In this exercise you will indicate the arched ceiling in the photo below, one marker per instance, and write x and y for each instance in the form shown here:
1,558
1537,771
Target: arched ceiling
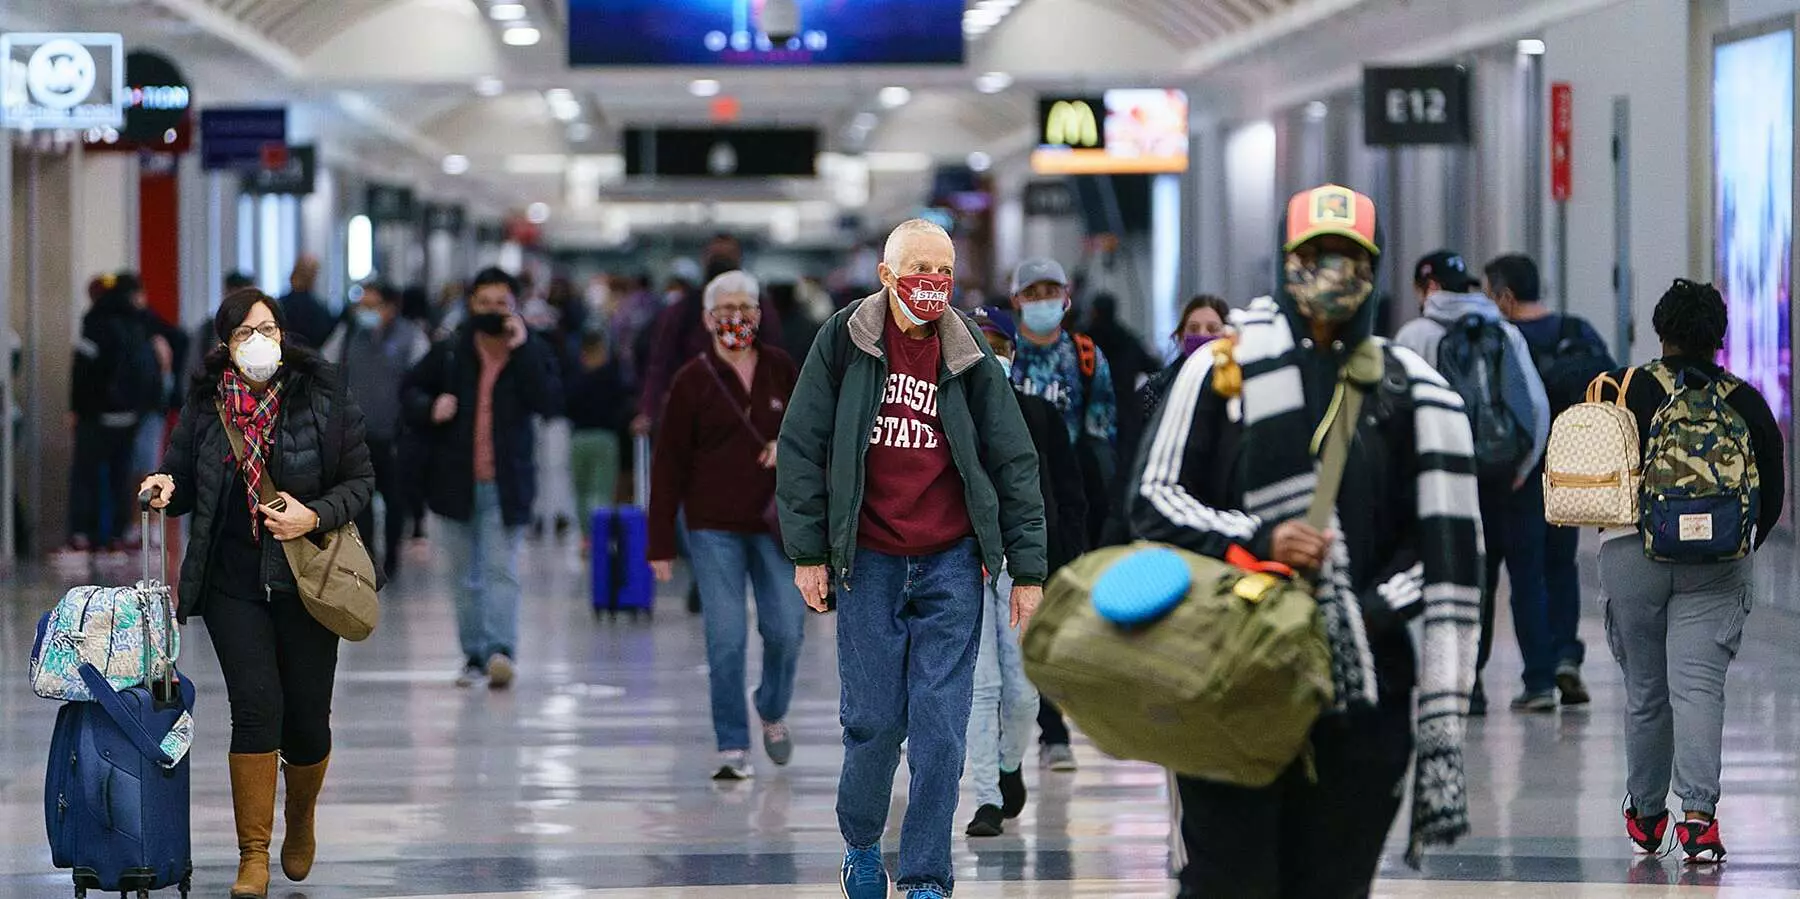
393,82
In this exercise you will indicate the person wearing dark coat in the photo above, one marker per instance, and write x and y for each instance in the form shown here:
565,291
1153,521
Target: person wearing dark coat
303,436
306,314
472,398
1005,703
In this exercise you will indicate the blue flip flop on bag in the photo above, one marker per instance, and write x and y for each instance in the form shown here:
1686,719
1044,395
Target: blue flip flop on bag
1142,587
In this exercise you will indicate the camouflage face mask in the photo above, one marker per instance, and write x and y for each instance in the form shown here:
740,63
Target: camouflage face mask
1332,287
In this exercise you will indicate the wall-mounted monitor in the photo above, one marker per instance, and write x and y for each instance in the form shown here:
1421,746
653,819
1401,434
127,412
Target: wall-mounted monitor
722,152
1120,132
759,33
1753,207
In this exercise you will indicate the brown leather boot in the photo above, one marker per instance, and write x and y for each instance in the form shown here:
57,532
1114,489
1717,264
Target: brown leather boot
253,779
303,785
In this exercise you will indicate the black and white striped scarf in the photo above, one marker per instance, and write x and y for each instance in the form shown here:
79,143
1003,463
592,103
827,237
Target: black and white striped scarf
1280,474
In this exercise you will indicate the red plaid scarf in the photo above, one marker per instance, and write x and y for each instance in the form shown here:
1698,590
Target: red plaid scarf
253,415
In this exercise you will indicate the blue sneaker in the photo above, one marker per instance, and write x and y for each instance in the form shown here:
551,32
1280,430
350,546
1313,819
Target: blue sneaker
864,875
926,893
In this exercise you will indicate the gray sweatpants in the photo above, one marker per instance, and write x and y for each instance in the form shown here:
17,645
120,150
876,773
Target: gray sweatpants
1674,630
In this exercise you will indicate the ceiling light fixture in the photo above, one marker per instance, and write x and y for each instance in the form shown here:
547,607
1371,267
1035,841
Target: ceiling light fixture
507,12
1531,47
993,82
895,97
704,87
980,162
521,36
456,164
490,86
538,213
865,121
1317,111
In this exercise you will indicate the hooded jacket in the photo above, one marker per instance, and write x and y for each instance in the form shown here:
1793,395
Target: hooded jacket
1221,467
1522,388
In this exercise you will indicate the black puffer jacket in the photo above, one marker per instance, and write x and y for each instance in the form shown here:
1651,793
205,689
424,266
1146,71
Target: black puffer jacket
318,457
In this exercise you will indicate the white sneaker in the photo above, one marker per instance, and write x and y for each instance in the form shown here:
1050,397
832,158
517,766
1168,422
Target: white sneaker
734,764
500,671
1057,757
470,676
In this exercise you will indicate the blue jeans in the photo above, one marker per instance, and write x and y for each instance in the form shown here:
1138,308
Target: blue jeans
1513,523
724,564
1562,577
487,603
1006,704
908,632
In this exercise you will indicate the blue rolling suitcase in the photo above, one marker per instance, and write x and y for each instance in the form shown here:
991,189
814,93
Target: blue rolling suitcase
620,569
116,783
116,787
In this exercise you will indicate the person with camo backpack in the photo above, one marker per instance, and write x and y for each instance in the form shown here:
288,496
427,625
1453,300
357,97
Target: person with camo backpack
1676,591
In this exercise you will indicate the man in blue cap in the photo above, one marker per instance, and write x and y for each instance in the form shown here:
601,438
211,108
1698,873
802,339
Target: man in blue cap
1070,371
1005,702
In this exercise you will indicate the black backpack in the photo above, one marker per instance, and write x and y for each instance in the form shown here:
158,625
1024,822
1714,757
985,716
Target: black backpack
1472,357
133,378
1570,365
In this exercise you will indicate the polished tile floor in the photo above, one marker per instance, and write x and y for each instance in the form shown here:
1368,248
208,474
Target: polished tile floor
589,779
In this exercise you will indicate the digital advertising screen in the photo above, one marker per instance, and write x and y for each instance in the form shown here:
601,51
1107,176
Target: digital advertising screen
757,33
1753,209
1121,132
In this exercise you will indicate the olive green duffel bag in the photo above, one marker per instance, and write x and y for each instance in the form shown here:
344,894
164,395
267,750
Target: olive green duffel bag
1225,684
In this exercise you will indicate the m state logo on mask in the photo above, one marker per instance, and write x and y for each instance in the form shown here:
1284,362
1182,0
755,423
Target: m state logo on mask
929,298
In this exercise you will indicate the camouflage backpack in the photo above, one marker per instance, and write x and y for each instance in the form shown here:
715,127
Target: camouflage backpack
1700,488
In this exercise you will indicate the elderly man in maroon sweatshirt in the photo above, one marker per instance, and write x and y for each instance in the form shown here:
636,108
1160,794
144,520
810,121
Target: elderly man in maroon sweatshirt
906,471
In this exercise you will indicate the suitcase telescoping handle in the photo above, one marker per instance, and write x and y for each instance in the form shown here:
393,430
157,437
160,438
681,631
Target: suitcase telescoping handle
641,472
158,538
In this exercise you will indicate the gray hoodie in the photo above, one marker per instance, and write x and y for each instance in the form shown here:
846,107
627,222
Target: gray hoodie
1522,388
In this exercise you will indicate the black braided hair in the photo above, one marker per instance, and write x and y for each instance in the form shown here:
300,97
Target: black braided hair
1690,318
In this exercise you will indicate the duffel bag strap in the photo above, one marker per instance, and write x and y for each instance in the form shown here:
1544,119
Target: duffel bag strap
163,751
1333,445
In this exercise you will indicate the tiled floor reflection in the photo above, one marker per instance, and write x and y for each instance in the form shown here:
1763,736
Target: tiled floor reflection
590,778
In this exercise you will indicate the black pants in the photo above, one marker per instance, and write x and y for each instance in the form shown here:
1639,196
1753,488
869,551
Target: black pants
391,484
1299,840
1052,730
100,449
280,665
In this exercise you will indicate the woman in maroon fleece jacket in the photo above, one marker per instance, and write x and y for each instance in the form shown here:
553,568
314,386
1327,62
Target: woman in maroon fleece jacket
715,458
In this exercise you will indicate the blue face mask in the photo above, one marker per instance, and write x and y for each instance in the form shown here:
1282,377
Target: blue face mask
1042,317
1005,365
368,319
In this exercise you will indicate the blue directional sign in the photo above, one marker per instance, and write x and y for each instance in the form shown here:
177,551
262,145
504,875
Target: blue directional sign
241,140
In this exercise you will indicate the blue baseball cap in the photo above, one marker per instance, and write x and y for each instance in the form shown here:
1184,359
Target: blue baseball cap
995,320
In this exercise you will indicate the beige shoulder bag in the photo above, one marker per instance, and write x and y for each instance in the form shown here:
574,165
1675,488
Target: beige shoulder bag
335,574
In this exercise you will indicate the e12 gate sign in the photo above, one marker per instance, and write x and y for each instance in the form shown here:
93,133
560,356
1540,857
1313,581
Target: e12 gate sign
1416,105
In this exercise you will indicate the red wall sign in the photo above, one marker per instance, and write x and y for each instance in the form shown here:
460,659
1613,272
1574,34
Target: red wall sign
1562,120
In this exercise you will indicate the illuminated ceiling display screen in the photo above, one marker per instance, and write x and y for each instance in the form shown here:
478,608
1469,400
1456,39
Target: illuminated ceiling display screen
758,33
1122,132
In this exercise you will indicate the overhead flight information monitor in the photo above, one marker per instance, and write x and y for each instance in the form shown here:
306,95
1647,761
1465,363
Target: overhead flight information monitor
758,33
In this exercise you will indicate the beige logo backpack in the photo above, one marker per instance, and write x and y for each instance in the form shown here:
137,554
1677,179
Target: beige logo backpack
1593,463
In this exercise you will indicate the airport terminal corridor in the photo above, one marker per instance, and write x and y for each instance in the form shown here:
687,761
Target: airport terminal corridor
590,776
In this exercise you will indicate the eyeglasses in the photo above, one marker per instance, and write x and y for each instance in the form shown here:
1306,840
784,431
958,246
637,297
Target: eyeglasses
266,329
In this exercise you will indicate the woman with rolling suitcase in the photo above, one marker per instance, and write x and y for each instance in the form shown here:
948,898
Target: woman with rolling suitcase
301,431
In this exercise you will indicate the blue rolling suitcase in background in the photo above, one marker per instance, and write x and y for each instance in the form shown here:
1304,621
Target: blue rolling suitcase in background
116,783
620,571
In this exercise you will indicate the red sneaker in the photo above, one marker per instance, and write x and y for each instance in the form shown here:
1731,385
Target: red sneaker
1700,840
1647,833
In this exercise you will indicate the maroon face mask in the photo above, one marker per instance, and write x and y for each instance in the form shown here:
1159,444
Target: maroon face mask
1192,342
924,298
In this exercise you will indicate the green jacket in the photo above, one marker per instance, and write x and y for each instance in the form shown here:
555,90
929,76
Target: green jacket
825,437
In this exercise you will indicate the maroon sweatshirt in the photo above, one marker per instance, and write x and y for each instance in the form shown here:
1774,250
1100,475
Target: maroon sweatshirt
705,455
913,503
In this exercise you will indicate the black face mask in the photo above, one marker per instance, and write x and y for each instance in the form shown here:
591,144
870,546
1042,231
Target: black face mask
489,322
